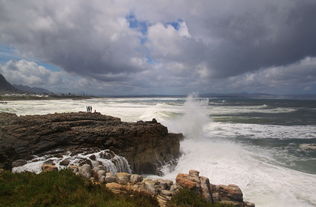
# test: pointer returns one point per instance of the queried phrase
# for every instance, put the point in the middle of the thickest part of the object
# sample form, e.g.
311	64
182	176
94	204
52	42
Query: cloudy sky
126	47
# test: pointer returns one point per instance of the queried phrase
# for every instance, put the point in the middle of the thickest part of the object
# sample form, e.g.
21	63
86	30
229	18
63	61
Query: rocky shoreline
160	189
146	145
106	151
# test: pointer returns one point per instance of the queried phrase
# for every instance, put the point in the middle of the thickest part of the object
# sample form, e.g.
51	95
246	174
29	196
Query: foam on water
228	162
113	164
259	131
265	184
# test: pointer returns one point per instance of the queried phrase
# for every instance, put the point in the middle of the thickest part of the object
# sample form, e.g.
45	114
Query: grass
62	189
188	198
65	189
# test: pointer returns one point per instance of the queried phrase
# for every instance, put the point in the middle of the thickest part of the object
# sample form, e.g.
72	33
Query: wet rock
65	162
25	136
92	157
18	163
85	170
49	167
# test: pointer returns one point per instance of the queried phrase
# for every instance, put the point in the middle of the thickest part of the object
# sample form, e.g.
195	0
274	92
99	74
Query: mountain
6	87
35	90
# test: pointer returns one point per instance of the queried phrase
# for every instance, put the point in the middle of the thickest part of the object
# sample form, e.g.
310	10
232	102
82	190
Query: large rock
146	145
225	194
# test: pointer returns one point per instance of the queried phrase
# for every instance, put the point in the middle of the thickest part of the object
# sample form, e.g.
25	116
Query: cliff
146	145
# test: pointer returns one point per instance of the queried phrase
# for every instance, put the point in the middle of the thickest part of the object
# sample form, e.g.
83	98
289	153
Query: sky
151	47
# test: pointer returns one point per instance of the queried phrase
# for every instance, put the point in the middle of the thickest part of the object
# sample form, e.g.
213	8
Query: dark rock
18	163
65	162
146	146
92	157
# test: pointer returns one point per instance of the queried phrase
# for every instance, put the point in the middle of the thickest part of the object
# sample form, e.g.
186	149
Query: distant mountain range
35	90
6	87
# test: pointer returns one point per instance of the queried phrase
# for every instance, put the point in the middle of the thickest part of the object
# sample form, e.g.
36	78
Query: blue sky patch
8	53
134	23
175	24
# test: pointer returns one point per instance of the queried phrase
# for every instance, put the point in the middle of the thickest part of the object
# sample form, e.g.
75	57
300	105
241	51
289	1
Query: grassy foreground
64	189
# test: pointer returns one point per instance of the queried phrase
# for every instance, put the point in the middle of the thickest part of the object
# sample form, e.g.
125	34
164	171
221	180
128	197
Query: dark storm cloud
249	43
78	36
162	45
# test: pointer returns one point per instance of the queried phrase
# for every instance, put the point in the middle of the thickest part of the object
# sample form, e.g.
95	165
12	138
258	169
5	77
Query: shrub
189	198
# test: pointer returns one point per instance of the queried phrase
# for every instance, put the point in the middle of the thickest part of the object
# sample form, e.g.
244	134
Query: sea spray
195	117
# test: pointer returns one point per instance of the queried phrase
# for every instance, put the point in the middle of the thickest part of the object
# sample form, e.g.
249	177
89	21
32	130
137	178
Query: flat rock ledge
160	189
146	145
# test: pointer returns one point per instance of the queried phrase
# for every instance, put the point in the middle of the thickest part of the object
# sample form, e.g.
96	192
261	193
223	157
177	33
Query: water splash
195	117
113	163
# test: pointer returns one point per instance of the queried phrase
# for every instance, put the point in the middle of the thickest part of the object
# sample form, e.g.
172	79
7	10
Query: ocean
265	146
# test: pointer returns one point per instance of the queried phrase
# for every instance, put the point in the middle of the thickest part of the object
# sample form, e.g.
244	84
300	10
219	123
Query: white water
115	164
209	146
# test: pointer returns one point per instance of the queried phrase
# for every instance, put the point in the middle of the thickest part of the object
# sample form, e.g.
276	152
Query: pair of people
89	108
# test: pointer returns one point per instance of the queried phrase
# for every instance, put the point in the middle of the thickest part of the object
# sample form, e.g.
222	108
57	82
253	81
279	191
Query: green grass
65	189
188	198
61	189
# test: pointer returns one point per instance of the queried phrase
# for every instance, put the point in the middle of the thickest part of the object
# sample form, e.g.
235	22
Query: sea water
262	145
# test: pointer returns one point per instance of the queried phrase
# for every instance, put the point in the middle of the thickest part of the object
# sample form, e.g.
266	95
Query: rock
174	188
85	170
65	162
166	192
115	188
185	181
18	163
110	178
229	195
230	192
49	167
122	178
102	179
150	186
73	168
136	178
164	184
92	157
194	173
206	189
232	203
146	146
163	200
101	173
248	204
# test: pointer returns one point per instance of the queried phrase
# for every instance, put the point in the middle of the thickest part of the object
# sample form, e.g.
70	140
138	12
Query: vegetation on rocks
189	198
63	188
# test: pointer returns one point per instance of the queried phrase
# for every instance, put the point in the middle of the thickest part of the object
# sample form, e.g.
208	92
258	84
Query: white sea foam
114	164
226	162
259	131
